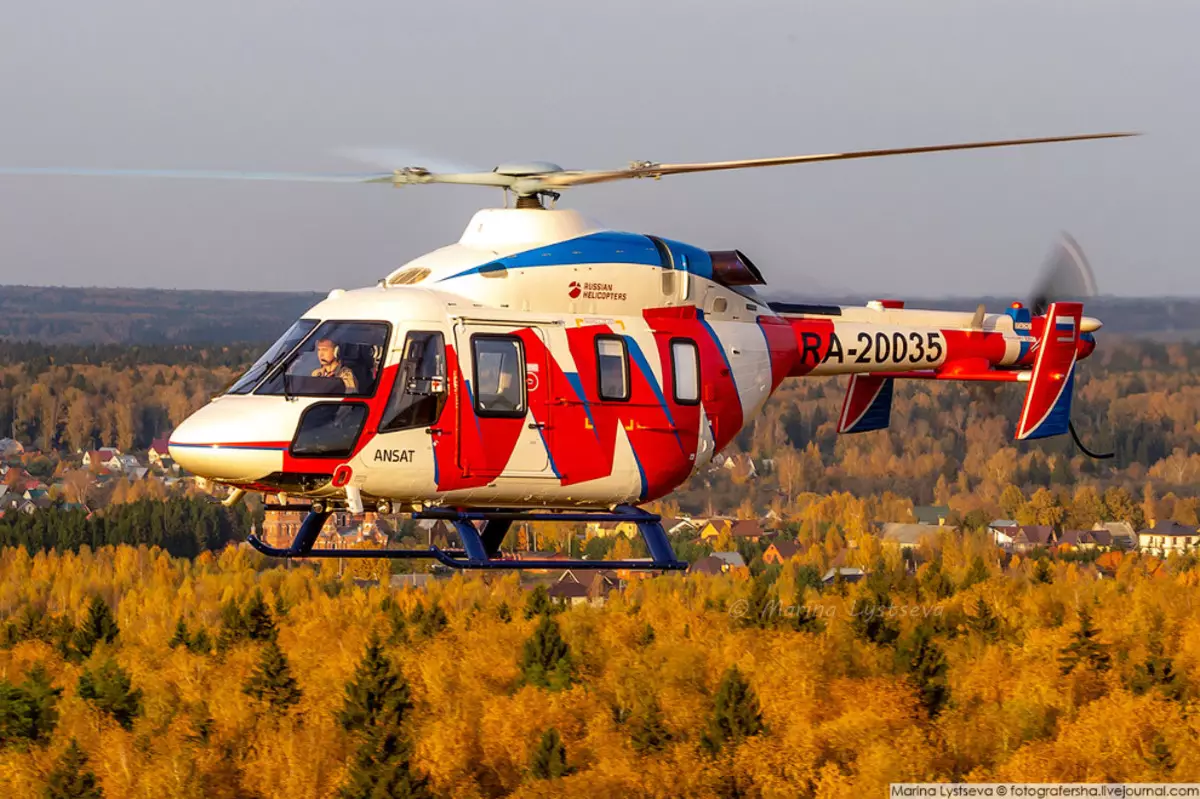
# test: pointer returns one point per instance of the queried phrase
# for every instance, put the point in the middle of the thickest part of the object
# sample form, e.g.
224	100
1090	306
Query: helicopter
546	368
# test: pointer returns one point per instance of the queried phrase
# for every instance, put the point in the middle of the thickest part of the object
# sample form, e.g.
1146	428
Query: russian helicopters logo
593	291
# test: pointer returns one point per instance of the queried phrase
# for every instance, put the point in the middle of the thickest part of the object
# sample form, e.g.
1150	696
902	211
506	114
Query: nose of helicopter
234	439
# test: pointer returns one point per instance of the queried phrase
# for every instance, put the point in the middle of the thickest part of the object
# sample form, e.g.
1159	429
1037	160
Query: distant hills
147	316
155	316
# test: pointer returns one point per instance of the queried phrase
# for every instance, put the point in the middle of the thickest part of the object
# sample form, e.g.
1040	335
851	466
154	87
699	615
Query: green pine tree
97	626
1157	671
645	636
538	603
380	770
546	658
272	681
976	574
18	716
109	688
44	695
256	616
870	619
1085	648
548	759
376	704
71	777
429	622
647	732
397	623
233	625
181	637
984	622
926	665
1043	572
201	642
377	696
736	715
28	712
760	609
504	612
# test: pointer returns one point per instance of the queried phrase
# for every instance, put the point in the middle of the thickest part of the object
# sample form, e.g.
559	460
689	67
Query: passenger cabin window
337	359
612	364
499	375
271	358
420	389
685	366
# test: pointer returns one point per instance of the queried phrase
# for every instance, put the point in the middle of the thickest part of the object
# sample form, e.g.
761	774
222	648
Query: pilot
331	366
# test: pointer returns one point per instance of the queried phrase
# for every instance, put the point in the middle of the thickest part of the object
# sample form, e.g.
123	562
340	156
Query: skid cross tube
481	549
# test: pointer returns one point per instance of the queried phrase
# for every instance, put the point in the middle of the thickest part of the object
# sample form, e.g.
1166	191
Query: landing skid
481	548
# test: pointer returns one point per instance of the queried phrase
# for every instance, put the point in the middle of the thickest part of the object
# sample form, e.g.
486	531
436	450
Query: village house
1166	537
279	528
730	563
1121	534
1028	537
1070	540
1002	532
847	574
907	536
99	457
585	587
935	515
780	552
159	452
609	529
739	529
682	526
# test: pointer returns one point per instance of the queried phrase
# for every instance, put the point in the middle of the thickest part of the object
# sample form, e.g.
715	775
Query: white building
1166	537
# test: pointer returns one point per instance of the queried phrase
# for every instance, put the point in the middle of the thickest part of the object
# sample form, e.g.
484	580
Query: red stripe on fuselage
471	450
813	339
781	347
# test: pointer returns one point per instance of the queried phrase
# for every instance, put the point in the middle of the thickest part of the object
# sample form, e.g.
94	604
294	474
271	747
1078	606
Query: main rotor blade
397	157
651	170
203	174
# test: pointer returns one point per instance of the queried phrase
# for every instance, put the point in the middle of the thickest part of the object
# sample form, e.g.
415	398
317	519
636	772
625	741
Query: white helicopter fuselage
543	361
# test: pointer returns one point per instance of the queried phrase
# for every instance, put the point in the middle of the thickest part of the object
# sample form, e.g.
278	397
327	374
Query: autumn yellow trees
306	684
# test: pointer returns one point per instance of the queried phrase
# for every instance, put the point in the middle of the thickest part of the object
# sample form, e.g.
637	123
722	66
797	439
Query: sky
290	84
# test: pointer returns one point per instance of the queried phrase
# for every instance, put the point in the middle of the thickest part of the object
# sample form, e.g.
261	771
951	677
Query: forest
141	656
126	672
947	443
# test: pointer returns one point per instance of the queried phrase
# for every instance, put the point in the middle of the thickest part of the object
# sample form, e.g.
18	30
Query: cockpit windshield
337	359
286	343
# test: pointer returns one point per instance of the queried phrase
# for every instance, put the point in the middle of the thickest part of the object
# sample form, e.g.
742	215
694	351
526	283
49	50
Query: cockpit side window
271	358
337	359
419	393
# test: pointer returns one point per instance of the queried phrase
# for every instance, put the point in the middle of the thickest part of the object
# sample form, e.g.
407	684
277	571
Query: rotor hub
521	169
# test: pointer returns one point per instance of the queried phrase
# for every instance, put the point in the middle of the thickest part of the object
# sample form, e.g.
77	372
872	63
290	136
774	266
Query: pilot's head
327	352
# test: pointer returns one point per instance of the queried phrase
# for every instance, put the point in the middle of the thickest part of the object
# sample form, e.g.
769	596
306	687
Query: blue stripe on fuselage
607	247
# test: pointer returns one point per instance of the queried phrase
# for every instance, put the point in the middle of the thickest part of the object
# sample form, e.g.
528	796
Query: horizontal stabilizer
868	404
1047	409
